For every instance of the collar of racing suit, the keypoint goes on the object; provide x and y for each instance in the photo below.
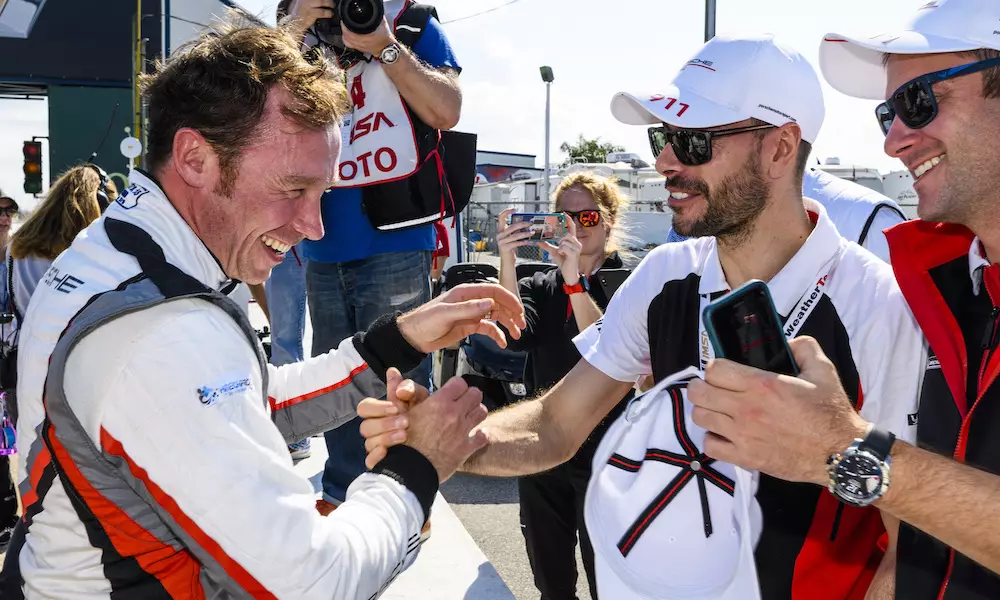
(145, 204)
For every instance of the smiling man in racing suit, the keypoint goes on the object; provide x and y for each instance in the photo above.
(155, 461)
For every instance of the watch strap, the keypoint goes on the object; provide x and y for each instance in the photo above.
(879, 442)
(392, 45)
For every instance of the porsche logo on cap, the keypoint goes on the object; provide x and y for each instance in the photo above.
(698, 62)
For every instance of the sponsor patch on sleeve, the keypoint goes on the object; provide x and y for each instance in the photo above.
(210, 394)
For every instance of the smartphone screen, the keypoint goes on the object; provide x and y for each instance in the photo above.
(544, 226)
(746, 330)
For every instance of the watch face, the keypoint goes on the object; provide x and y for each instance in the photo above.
(858, 478)
(390, 54)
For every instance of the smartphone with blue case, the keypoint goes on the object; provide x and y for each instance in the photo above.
(744, 327)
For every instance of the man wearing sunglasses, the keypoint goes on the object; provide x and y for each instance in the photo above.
(940, 81)
(732, 133)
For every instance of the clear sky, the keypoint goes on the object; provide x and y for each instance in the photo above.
(595, 48)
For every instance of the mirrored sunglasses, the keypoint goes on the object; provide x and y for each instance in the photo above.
(692, 147)
(915, 103)
(586, 218)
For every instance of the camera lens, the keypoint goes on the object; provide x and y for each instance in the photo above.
(358, 11)
(361, 16)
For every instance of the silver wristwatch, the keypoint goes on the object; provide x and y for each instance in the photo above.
(860, 475)
(389, 54)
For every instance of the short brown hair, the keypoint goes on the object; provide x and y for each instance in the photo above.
(991, 76)
(69, 207)
(218, 85)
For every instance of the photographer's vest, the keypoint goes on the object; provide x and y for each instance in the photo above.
(379, 135)
(396, 159)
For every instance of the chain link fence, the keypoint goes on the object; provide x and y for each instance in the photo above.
(480, 223)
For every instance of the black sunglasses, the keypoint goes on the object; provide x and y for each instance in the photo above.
(915, 102)
(8, 211)
(692, 147)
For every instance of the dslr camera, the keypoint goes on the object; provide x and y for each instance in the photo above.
(359, 16)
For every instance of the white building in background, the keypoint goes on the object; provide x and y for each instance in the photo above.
(897, 185)
(649, 218)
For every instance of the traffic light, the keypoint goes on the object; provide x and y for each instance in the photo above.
(32, 167)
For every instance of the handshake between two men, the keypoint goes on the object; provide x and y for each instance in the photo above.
(442, 426)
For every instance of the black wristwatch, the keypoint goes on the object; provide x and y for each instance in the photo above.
(860, 475)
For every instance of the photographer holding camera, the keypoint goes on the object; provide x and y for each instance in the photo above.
(403, 85)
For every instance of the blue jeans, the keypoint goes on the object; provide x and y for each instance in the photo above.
(345, 298)
(286, 301)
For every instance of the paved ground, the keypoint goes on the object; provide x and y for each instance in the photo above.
(488, 508)
(475, 548)
(450, 566)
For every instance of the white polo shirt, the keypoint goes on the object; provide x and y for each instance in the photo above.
(665, 527)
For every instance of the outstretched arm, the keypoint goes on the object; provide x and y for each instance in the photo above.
(535, 435)
(528, 437)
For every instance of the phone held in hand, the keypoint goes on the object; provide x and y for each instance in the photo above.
(744, 327)
(612, 279)
(544, 226)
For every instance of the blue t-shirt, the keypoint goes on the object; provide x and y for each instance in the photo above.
(349, 234)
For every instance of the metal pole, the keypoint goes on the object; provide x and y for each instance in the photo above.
(143, 113)
(136, 70)
(709, 19)
(545, 179)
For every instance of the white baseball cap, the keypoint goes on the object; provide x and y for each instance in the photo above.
(853, 64)
(646, 509)
(730, 79)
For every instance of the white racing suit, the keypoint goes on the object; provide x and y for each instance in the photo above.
(153, 434)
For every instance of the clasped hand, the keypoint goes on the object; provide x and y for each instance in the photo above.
(442, 426)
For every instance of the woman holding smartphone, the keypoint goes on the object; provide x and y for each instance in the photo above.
(558, 304)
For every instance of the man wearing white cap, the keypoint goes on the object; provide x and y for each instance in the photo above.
(732, 135)
(940, 78)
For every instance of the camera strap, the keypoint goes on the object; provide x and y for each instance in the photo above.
(10, 288)
(793, 323)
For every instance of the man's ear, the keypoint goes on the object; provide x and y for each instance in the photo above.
(194, 159)
(782, 150)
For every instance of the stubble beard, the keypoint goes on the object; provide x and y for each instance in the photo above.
(733, 207)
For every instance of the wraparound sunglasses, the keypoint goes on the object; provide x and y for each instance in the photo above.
(692, 147)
